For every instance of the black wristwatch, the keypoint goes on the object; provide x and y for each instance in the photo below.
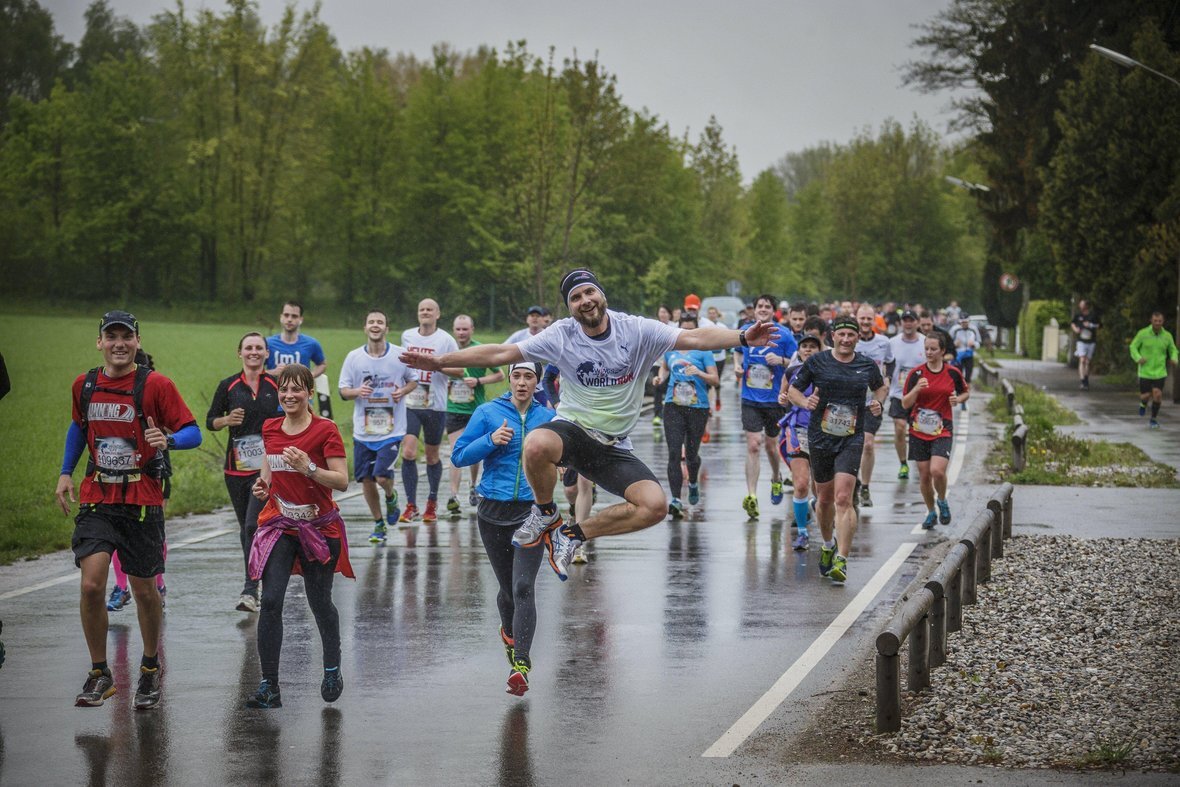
(742, 338)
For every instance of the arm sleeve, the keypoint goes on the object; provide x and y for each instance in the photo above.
(549, 385)
(333, 442)
(543, 347)
(475, 444)
(317, 352)
(344, 380)
(186, 437)
(75, 445)
(1135, 347)
(910, 382)
(803, 377)
(875, 378)
(957, 378)
(217, 406)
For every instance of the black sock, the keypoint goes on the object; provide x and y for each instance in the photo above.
(573, 530)
(1155, 410)
(547, 509)
(102, 665)
(151, 662)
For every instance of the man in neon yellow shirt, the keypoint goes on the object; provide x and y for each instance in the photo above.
(1153, 348)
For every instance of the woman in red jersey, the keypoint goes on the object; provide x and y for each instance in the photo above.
(299, 530)
(930, 393)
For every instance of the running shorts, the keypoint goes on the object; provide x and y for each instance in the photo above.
(923, 450)
(137, 532)
(370, 462)
(846, 459)
(429, 422)
(762, 419)
(611, 467)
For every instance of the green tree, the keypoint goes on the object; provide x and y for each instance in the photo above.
(32, 55)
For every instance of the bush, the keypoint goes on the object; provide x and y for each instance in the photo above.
(1033, 322)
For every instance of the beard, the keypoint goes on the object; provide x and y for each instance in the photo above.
(593, 319)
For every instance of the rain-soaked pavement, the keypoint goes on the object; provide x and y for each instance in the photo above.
(642, 661)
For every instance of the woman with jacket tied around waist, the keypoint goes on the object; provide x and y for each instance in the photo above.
(495, 436)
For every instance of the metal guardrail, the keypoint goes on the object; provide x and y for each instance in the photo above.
(936, 609)
(988, 374)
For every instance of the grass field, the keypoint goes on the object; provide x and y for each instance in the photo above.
(44, 355)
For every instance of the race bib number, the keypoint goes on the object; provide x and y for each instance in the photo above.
(760, 377)
(684, 394)
(419, 397)
(459, 392)
(115, 453)
(301, 513)
(248, 452)
(1086, 335)
(902, 373)
(928, 421)
(378, 420)
(839, 420)
(801, 438)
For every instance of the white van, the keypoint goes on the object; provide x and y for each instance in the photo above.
(728, 305)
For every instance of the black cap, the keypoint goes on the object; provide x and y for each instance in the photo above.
(844, 321)
(541, 310)
(807, 337)
(116, 317)
(909, 314)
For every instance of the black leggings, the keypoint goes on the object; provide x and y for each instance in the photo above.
(968, 367)
(246, 506)
(684, 426)
(516, 571)
(317, 582)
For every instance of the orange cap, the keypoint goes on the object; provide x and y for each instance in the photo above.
(691, 301)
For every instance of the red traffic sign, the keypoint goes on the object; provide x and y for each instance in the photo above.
(1009, 282)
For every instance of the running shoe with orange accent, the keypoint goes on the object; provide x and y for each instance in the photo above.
(535, 527)
(409, 514)
(518, 679)
(431, 512)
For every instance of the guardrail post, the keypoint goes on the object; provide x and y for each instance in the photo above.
(954, 600)
(1006, 492)
(919, 671)
(997, 532)
(938, 633)
(1019, 437)
(888, 693)
(983, 550)
(1009, 395)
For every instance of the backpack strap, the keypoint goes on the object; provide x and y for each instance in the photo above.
(86, 394)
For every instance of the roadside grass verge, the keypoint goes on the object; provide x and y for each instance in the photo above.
(1056, 459)
(45, 353)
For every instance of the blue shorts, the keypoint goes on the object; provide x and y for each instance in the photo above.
(374, 460)
(430, 423)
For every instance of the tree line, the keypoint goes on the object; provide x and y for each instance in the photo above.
(207, 157)
(1081, 156)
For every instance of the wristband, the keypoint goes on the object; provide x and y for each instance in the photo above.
(742, 338)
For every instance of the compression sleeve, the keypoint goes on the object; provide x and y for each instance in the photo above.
(188, 436)
(75, 445)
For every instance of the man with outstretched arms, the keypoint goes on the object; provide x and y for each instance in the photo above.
(465, 392)
(377, 381)
(127, 416)
(426, 412)
(603, 357)
(292, 346)
(908, 354)
(760, 370)
(1152, 349)
(835, 435)
(880, 351)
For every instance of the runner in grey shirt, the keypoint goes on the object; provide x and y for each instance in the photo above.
(880, 351)
(603, 357)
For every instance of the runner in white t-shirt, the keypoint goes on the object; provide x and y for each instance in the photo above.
(908, 353)
(880, 351)
(603, 357)
(377, 382)
(426, 411)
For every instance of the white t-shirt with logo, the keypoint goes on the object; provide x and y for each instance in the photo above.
(909, 356)
(431, 393)
(376, 417)
(602, 378)
(880, 350)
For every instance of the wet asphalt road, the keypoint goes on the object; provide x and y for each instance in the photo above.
(641, 661)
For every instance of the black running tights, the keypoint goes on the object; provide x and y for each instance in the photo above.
(516, 572)
(317, 582)
(246, 506)
(683, 428)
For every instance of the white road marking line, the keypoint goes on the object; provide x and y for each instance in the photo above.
(171, 547)
(752, 719)
(957, 454)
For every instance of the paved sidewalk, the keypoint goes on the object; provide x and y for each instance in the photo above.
(1109, 412)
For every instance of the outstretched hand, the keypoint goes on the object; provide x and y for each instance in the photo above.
(420, 360)
(761, 334)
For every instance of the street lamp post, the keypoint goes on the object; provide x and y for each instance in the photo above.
(1130, 62)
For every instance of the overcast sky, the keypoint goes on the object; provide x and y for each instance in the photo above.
(779, 76)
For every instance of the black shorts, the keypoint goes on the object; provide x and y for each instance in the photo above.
(612, 468)
(762, 419)
(457, 422)
(825, 463)
(896, 411)
(1147, 385)
(104, 527)
(873, 422)
(569, 477)
(922, 450)
(429, 422)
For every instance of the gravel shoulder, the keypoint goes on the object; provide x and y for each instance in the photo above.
(1071, 669)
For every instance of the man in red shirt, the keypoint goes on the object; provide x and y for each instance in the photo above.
(131, 416)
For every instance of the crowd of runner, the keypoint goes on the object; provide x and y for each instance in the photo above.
(815, 382)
